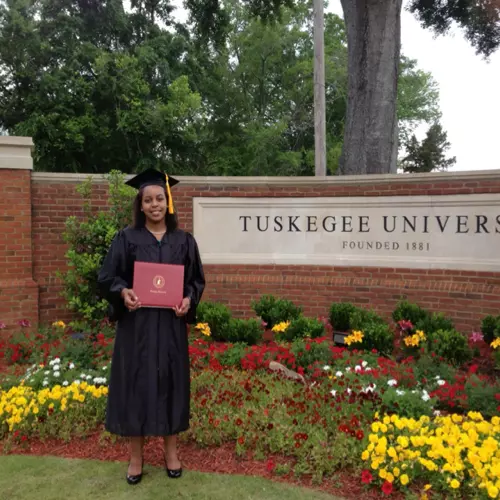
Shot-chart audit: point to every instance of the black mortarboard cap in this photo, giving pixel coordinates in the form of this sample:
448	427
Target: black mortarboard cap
153	177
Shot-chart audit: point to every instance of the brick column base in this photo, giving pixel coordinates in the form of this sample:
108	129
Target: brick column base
18	290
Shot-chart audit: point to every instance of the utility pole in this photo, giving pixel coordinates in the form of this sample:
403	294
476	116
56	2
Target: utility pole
319	90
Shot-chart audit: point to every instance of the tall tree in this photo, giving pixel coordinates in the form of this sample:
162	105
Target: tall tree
374	42
429	154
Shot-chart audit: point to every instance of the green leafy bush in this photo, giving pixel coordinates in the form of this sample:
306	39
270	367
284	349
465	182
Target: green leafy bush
233	355
88	240
309	353
302	328
490	327
273	311
217	316
408	403
378	336
452	346
340	314
482	396
248	331
362	317
410	312
433	323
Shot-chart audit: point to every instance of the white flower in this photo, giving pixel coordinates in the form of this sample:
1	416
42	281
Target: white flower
105	367
437	413
437	377
56	368
338	374
357	368
77	382
392	382
348	369
99	380
45	383
399	392
52	362
82	375
368	369
333	392
71	366
326	368
441	382
425	396
57	361
57	374
88	377
65	383
47	372
348	390
364	364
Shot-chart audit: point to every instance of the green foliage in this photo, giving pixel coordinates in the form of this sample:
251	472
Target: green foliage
428	368
362	317
88	241
273	311
340	314
217	316
309	353
378	336
247	331
407	403
490	327
482	395
433	323
233	355
302	327
409	311
428	155
452	346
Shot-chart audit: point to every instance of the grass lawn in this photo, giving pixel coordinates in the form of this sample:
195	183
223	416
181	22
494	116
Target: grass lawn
51	478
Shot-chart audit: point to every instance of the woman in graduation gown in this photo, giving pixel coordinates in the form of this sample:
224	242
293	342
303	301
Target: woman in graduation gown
149	391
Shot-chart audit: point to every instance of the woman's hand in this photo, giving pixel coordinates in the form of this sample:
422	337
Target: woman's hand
130	298
184	307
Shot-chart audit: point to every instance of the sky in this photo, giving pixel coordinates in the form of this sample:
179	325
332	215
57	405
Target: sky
468	84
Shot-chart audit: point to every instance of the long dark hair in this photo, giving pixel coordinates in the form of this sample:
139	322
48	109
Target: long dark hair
139	219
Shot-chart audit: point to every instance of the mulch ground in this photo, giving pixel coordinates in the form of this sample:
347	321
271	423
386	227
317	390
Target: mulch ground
221	460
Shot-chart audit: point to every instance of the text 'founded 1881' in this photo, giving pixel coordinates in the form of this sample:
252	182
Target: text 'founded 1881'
448	232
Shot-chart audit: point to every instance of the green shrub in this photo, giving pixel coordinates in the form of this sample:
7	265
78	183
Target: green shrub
302	328
248	331
217	316
410	312
452	346
490	327
233	355
309	353
377	336
406	403
340	314
432	323
362	317
88	241
482	396
273	311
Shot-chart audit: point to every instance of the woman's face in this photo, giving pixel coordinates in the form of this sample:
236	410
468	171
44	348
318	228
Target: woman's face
154	203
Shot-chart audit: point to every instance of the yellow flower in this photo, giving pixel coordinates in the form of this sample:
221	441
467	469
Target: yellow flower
404	479
281	327
356	337
495	343
492	491
59	324
204	329
455	484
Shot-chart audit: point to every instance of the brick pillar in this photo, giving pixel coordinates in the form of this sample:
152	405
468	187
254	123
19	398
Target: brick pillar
18	290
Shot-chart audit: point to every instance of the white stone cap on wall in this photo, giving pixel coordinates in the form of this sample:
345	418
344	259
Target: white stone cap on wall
303	181
15	153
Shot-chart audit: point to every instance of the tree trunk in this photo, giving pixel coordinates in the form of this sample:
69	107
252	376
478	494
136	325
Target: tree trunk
374	44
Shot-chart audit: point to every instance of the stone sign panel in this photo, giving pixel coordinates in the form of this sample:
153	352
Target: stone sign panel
426	232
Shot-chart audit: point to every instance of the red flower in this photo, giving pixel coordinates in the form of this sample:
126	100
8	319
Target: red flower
270	465
241	440
270	426
360	435
366	476
387	487
239	421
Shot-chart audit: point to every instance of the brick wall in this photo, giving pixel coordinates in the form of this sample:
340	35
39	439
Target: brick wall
35	206
466	296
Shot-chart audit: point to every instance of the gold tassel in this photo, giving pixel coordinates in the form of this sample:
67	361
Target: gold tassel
170	200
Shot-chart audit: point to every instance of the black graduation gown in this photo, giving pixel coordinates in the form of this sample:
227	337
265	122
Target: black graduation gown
149	389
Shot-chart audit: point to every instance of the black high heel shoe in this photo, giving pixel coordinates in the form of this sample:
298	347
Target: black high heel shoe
172	473
135	479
